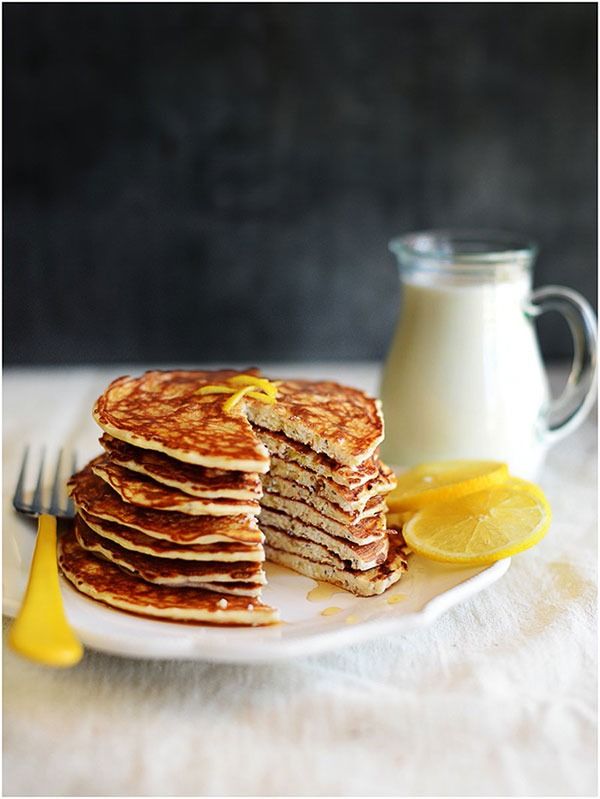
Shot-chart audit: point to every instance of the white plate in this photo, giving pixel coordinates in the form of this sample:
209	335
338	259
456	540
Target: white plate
424	593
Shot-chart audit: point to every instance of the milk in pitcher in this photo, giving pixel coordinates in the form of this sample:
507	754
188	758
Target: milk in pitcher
464	377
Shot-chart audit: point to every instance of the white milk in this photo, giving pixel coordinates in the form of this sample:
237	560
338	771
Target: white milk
464	377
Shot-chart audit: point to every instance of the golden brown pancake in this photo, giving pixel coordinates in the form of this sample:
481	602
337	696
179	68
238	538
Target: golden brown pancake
137	541
360	556
195	480
96	498
342	554
349	499
242	578
343	423
105	582
294	452
162	411
146	492
362	532
287	488
277	539
362	583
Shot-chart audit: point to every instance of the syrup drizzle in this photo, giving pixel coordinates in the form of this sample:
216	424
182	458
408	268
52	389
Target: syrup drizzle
393	600
323	591
330	611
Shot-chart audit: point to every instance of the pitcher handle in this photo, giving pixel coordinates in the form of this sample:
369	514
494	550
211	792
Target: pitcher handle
567	412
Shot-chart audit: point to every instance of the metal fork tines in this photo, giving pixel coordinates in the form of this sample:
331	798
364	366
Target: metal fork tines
60	505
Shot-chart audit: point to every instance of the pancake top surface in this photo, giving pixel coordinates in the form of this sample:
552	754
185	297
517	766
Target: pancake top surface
97	498
162	411
341	422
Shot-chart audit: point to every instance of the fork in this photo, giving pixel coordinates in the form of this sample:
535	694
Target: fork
40	631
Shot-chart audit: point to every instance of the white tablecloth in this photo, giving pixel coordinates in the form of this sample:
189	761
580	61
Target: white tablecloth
498	697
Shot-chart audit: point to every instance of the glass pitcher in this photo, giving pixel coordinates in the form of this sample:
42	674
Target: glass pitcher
464	377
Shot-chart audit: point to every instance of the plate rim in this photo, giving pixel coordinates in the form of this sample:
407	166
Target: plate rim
268	651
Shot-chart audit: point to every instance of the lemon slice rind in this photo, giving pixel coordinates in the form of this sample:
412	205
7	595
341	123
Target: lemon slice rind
412	491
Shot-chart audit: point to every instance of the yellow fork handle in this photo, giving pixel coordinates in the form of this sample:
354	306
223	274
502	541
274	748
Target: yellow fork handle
41	631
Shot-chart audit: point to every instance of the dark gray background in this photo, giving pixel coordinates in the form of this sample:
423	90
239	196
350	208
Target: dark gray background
218	182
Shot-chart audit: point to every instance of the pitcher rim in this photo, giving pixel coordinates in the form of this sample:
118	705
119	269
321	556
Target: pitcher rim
496	246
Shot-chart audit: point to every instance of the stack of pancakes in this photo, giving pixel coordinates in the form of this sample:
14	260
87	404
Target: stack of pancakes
167	516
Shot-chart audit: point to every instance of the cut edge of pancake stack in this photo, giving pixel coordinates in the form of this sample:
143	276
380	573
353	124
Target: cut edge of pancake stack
323	507
166	517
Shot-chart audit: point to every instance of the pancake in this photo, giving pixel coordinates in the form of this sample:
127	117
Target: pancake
360	556
301	546
161	411
361	583
245	578
105	582
293	452
136	541
198	481
352	500
96	498
361	559
362	532
341	422
286	488
144	491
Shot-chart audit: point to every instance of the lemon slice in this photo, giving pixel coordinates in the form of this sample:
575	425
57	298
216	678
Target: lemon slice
482	527
443	480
